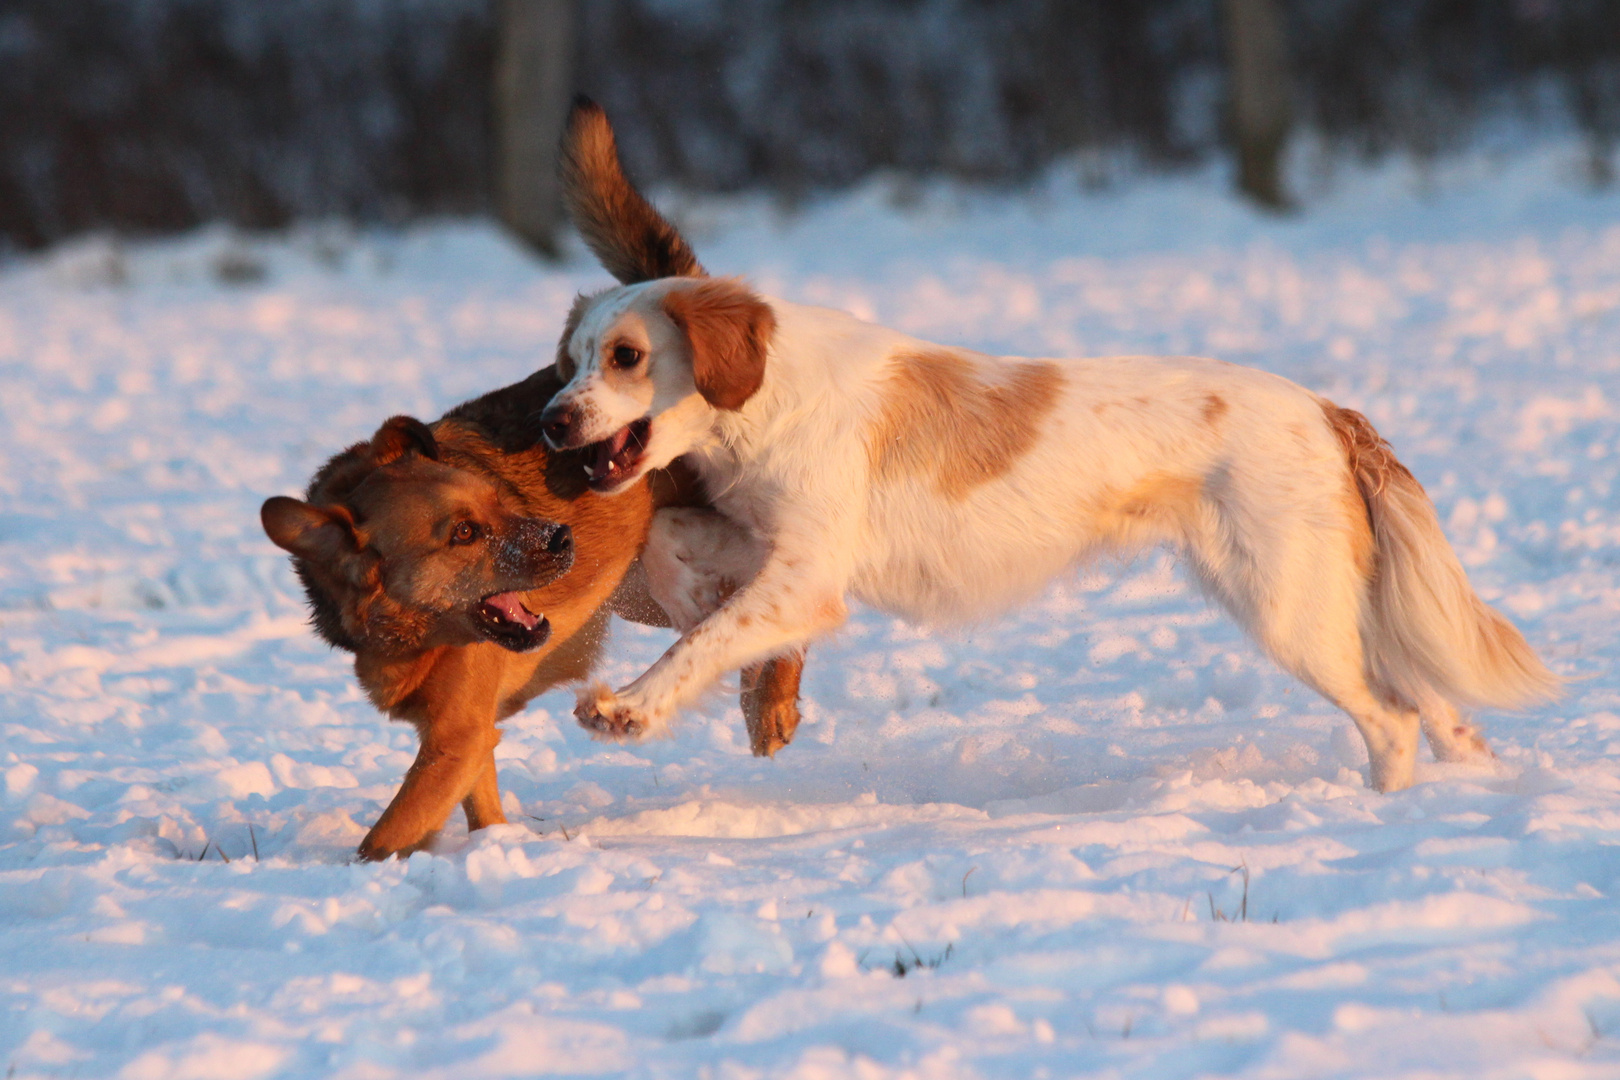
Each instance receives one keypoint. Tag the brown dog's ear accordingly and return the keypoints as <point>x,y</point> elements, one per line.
<point>729,329</point>
<point>633,241</point>
<point>319,534</point>
<point>400,435</point>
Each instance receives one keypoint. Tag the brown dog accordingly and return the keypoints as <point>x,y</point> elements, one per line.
<point>469,570</point>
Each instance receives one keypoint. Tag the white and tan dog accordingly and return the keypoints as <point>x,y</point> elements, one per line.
<point>943,485</point>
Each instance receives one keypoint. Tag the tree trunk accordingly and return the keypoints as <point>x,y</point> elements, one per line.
<point>1258,81</point>
<point>534,77</point>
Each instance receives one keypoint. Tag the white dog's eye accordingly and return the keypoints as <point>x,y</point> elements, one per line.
<point>626,356</point>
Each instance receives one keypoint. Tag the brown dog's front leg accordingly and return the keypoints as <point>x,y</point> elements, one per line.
<point>447,770</point>
<point>454,711</point>
<point>770,702</point>
<point>483,805</point>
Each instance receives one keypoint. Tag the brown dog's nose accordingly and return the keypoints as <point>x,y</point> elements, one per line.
<point>557,423</point>
<point>538,550</point>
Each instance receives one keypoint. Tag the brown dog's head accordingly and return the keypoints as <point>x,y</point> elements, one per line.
<point>399,550</point>
<point>645,364</point>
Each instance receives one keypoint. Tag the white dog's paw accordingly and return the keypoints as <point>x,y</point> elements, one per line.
<point>605,716</point>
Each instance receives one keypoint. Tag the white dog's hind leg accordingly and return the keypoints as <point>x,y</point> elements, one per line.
<point>1392,737</point>
<point>1329,658</point>
<point>1322,646</point>
<point>1451,736</point>
<point>1332,664</point>
<point>1295,586</point>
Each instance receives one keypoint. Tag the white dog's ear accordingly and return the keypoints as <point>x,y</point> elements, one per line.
<point>729,330</point>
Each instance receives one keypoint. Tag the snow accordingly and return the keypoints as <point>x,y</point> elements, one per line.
<point>1101,836</point>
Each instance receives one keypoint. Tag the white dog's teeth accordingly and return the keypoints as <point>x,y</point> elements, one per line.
<point>588,470</point>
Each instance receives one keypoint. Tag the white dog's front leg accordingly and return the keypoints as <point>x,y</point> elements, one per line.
<point>783,606</point>
<point>695,559</point>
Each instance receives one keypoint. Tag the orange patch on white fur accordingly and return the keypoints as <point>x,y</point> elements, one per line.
<point>1158,507</point>
<point>1372,462</point>
<point>1372,468</point>
<point>941,422</point>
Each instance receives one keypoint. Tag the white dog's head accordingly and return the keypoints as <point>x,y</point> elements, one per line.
<point>646,366</point>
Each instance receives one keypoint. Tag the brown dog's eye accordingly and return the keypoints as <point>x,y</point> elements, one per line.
<point>465,532</point>
<point>626,356</point>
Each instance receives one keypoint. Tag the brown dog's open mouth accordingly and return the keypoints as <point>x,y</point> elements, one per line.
<point>617,456</point>
<point>503,619</point>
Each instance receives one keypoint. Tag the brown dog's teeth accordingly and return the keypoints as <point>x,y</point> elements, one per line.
<point>508,609</point>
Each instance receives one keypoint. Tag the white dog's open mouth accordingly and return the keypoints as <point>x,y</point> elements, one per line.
<point>617,456</point>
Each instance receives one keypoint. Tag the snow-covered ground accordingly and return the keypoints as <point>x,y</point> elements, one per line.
<point>1100,837</point>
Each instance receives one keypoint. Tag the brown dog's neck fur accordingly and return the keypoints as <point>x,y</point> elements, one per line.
<point>390,681</point>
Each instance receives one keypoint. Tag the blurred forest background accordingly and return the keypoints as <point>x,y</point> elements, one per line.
<point>156,115</point>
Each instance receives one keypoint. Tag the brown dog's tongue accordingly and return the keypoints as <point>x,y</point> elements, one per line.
<point>510,605</point>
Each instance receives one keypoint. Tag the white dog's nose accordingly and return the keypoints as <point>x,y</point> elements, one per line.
<point>557,423</point>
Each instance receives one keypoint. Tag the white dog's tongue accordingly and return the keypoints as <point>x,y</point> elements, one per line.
<point>510,605</point>
<point>607,450</point>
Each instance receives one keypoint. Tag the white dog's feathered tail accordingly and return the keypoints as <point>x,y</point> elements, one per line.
<point>1424,629</point>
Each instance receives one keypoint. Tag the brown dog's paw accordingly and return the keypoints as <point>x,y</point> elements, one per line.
<point>771,727</point>
<point>770,703</point>
<point>388,840</point>
<point>370,850</point>
<point>606,717</point>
